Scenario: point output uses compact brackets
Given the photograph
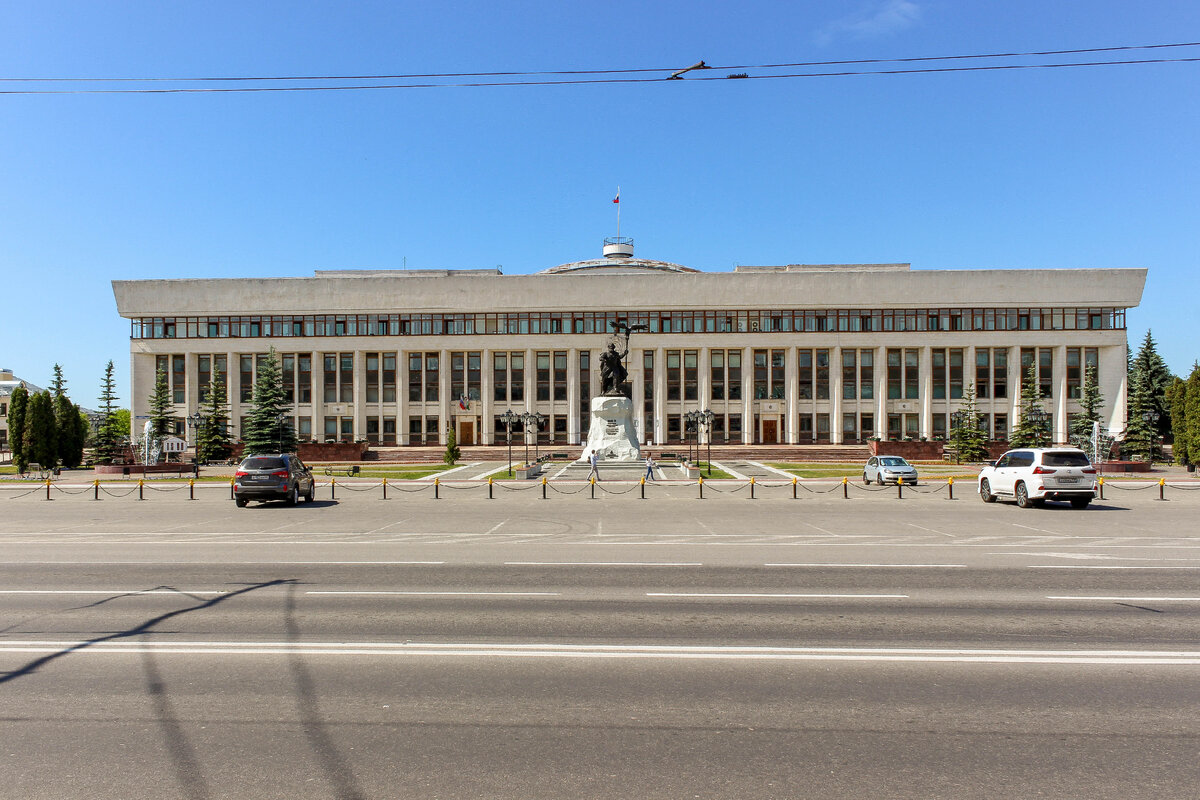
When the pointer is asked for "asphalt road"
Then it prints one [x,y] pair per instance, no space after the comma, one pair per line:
[569,647]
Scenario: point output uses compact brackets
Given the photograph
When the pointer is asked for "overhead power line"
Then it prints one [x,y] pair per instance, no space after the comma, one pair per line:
[446,77]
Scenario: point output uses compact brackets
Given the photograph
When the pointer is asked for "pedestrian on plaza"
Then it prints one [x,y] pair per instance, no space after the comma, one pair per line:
[594,460]
[649,467]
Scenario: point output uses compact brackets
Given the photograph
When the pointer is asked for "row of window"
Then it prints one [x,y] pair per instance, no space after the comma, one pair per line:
[949,372]
[702,321]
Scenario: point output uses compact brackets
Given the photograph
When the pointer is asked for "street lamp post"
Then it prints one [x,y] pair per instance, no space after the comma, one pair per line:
[1041,420]
[508,418]
[1151,417]
[195,423]
[689,426]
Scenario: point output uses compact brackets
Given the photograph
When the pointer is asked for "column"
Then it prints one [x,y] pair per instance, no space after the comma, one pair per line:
[835,395]
[881,387]
[444,400]
[1059,382]
[359,409]
[233,393]
[402,437]
[487,371]
[660,395]
[573,395]
[749,430]
[926,372]
[791,392]
[1015,378]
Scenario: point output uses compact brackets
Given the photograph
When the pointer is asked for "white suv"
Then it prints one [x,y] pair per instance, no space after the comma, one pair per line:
[1035,474]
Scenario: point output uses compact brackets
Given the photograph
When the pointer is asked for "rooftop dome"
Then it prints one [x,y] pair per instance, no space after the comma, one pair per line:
[617,260]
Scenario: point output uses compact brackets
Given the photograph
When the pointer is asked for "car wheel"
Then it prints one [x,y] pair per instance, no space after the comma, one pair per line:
[240,503]
[1080,502]
[985,491]
[866,479]
[879,479]
[312,492]
[1022,494]
[292,496]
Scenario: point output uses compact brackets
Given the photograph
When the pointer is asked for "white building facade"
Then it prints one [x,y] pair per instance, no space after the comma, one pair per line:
[793,354]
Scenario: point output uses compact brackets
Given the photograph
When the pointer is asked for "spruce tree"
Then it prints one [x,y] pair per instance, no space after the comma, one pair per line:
[1140,436]
[40,435]
[1157,378]
[18,405]
[109,434]
[58,386]
[1192,415]
[968,436]
[212,438]
[453,453]
[268,428]
[160,406]
[1030,432]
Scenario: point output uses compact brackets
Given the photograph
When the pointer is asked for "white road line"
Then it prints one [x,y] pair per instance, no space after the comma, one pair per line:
[611,651]
[930,530]
[496,527]
[231,563]
[1126,599]
[603,564]
[440,594]
[816,528]
[385,527]
[112,591]
[1039,530]
[875,566]
[780,595]
[1097,566]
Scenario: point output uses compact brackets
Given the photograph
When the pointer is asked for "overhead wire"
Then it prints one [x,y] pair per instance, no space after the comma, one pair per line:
[694,76]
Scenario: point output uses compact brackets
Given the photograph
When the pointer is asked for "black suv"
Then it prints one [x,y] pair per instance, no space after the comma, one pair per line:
[279,476]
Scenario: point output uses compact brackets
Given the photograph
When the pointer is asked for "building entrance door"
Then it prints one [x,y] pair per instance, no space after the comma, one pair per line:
[770,431]
[466,432]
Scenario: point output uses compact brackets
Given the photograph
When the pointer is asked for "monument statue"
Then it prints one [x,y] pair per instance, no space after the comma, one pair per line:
[612,436]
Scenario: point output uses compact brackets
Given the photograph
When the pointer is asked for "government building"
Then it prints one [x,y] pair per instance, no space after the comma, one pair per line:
[791,354]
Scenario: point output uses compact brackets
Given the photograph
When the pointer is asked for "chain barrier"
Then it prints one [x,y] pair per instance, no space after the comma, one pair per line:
[627,491]
[66,491]
[172,489]
[1111,485]
[26,494]
[132,489]
[361,487]
[560,491]
[520,488]
[460,486]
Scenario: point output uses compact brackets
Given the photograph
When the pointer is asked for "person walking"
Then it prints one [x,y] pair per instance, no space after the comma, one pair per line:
[649,467]
[594,460]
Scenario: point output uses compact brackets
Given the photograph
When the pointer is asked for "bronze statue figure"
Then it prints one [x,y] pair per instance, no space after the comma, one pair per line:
[613,373]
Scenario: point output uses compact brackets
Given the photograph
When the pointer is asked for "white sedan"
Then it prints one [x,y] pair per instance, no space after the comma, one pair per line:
[888,469]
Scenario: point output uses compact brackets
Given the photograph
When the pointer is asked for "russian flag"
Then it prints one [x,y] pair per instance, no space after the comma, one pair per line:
[617,199]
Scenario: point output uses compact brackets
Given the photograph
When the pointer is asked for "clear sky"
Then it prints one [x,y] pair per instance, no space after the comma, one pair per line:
[1071,167]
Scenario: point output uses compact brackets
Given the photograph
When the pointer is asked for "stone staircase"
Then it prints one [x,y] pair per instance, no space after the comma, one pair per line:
[427,454]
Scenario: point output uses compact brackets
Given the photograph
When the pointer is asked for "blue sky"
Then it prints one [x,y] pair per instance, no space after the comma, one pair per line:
[1078,167]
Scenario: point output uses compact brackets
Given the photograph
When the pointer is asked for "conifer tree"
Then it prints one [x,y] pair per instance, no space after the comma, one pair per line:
[160,406]
[1029,432]
[268,428]
[109,434]
[968,436]
[18,405]
[212,438]
[1091,401]
[58,386]
[1156,377]
[1192,415]
[1140,436]
[70,435]
[40,434]
[453,453]
[1177,402]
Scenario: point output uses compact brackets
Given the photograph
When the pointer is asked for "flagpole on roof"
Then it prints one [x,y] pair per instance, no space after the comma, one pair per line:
[617,200]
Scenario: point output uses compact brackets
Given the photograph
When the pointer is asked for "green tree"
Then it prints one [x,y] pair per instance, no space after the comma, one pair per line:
[1140,436]
[18,406]
[268,426]
[111,429]
[212,438]
[39,434]
[1157,377]
[70,435]
[161,406]
[1192,415]
[58,386]
[1177,403]
[1032,429]
[452,454]
[968,435]
[1091,401]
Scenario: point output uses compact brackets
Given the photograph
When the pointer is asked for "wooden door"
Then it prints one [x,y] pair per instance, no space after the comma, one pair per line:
[466,432]
[770,431]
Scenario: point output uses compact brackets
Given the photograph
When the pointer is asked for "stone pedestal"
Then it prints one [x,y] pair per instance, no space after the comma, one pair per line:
[611,433]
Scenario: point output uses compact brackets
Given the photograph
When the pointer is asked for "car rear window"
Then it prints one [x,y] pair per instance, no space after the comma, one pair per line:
[1067,459]
[264,463]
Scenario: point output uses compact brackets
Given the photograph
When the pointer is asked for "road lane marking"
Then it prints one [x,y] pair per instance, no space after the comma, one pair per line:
[610,651]
[1126,599]
[780,595]
[930,530]
[443,594]
[111,591]
[1098,566]
[876,566]
[603,564]
[816,528]
[495,527]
